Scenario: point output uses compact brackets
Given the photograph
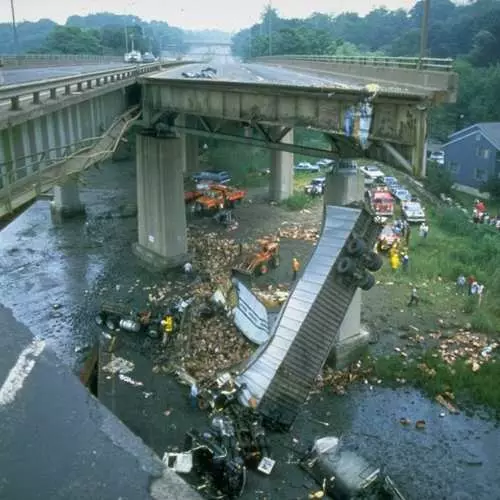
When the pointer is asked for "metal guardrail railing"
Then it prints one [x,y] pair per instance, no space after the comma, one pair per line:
[70,84]
[35,167]
[428,63]
[22,59]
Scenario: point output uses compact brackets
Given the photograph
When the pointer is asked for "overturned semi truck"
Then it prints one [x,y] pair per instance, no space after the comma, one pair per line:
[279,376]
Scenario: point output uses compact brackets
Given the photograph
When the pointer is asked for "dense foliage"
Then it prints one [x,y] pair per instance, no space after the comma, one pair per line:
[102,33]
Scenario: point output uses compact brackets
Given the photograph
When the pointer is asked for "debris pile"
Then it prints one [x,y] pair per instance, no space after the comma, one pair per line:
[473,348]
[272,296]
[338,380]
[296,232]
[216,345]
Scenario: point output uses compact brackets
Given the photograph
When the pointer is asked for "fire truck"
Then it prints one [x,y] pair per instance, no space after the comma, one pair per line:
[382,201]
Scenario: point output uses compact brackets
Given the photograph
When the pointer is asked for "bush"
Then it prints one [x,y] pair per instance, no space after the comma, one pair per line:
[439,179]
[297,201]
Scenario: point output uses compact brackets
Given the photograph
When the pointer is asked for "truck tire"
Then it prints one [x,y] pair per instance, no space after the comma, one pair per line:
[366,282]
[373,261]
[355,247]
[346,265]
[111,324]
[99,319]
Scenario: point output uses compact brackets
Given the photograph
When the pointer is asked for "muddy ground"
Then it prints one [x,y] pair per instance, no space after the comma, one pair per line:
[55,277]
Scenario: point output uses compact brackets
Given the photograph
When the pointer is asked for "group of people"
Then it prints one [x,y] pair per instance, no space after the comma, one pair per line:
[481,216]
[473,287]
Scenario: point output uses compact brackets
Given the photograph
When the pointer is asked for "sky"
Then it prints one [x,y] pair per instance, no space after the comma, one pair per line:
[227,15]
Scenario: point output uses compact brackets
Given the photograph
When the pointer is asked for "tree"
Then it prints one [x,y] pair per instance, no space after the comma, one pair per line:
[439,179]
[72,40]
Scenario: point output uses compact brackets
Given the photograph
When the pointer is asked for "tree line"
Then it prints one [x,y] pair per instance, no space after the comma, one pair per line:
[469,33]
[100,34]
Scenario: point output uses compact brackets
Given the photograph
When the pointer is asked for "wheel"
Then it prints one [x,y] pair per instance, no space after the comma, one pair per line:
[366,282]
[99,319]
[355,247]
[110,324]
[346,265]
[275,261]
[373,262]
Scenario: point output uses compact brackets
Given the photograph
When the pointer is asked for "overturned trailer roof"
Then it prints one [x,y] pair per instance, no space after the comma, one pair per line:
[281,373]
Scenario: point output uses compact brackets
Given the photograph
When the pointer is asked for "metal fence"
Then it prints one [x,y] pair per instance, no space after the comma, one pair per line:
[426,63]
[26,59]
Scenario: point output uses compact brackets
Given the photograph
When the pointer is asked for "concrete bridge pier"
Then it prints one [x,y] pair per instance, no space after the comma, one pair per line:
[281,178]
[192,154]
[161,216]
[344,186]
[66,202]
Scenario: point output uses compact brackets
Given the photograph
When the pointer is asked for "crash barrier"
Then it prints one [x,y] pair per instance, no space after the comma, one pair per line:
[42,171]
[281,373]
[58,59]
[426,63]
[55,87]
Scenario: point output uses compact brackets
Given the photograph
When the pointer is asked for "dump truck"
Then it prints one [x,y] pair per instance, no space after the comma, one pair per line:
[259,260]
[218,197]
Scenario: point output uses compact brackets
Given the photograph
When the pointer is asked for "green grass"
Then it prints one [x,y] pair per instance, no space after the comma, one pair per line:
[298,201]
[479,387]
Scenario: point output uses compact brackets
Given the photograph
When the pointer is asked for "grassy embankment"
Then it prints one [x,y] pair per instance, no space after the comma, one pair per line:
[454,246]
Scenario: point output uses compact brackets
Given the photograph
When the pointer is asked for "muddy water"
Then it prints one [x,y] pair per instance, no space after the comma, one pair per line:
[53,278]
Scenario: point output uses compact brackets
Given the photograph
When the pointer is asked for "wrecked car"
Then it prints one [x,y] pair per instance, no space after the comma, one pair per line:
[222,476]
[344,475]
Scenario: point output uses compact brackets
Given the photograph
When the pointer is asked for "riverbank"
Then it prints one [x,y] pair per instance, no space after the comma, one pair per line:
[75,266]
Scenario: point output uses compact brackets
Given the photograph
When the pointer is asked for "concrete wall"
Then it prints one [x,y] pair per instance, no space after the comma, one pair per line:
[21,145]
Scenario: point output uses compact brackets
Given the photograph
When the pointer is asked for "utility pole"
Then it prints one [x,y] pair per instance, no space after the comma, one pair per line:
[424,32]
[270,28]
[14,28]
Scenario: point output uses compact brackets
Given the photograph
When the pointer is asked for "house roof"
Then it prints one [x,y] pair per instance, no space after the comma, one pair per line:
[490,130]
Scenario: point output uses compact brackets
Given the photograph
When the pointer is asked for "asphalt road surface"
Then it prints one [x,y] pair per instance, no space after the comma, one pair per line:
[230,70]
[9,76]
[59,442]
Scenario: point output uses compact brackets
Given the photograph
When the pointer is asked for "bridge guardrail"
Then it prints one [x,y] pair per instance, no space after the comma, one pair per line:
[21,59]
[15,92]
[426,63]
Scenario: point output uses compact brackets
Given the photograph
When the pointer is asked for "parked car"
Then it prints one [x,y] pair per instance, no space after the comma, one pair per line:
[390,181]
[148,58]
[217,176]
[317,186]
[437,156]
[325,163]
[402,195]
[371,171]
[413,211]
[306,167]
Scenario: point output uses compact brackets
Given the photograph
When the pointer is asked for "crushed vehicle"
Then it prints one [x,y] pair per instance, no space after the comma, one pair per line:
[344,475]
[118,316]
[208,73]
[387,238]
[381,201]
[260,260]
[212,176]
[413,211]
[316,187]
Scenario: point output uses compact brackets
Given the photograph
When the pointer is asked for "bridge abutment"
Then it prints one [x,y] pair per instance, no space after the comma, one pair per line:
[344,186]
[281,178]
[161,217]
[66,203]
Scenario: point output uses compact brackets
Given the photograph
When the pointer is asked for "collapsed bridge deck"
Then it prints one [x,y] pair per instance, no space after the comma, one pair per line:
[281,373]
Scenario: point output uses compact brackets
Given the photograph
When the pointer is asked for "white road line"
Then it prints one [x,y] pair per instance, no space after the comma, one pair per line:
[20,371]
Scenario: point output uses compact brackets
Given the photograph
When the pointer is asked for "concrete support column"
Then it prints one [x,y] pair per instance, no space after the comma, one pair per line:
[344,186]
[160,201]
[281,178]
[418,154]
[192,154]
[66,202]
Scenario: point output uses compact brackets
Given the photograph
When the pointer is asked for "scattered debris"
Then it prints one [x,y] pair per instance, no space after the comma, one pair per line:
[118,365]
[297,232]
[443,402]
[131,381]
[420,424]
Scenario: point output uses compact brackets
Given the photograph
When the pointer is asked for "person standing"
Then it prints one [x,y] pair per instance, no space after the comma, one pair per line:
[295,268]
[414,299]
[406,260]
[461,284]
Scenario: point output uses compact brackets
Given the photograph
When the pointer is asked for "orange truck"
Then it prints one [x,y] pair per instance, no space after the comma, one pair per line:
[217,197]
[258,261]
[382,202]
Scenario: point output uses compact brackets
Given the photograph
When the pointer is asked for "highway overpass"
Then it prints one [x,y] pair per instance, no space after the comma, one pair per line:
[51,130]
